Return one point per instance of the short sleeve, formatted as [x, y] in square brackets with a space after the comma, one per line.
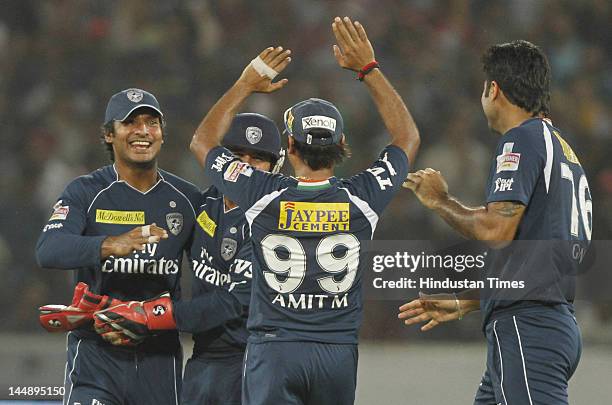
[239, 181]
[519, 162]
[378, 184]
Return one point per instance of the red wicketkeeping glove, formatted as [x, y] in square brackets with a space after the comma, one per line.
[62, 318]
[129, 323]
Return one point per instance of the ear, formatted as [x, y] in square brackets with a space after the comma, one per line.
[290, 145]
[343, 140]
[494, 90]
[108, 137]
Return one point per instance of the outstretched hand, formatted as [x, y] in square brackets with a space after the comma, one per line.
[276, 59]
[354, 50]
[435, 308]
[428, 185]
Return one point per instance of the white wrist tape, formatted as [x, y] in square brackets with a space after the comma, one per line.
[146, 231]
[263, 69]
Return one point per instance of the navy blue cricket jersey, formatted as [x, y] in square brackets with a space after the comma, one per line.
[98, 205]
[536, 167]
[306, 240]
[221, 260]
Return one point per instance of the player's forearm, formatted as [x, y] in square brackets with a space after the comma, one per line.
[217, 121]
[207, 311]
[398, 120]
[67, 252]
[471, 222]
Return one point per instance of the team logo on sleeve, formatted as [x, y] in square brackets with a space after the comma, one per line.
[235, 169]
[60, 212]
[174, 220]
[508, 161]
[314, 217]
[503, 185]
[120, 217]
[228, 248]
[253, 135]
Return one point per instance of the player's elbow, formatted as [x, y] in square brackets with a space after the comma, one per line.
[409, 143]
[498, 236]
[44, 255]
[200, 149]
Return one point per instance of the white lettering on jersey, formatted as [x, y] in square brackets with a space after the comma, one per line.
[376, 172]
[385, 159]
[53, 226]
[311, 301]
[220, 161]
[503, 185]
[508, 161]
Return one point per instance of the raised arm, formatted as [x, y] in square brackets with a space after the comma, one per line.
[256, 78]
[354, 51]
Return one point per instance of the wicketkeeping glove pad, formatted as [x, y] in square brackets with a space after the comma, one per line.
[62, 318]
[129, 323]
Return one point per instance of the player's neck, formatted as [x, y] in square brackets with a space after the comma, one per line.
[306, 173]
[512, 118]
[141, 178]
[229, 204]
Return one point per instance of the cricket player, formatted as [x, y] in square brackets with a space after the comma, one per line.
[537, 196]
[123, 228]
[221, 259]
[306, 231]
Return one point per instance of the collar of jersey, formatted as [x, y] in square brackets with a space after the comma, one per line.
[314, 185]
[118, 180]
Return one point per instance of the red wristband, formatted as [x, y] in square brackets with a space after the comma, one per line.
[367, 69]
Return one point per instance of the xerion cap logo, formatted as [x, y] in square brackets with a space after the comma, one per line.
[120, 217]
[314, 217]
[319, 121]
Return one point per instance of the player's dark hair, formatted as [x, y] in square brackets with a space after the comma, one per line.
[107, 129]
[322, 156]
[522, 72]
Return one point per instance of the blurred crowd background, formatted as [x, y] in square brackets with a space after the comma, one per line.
[60, 61]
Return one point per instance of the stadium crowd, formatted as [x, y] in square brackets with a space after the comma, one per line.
[61, 60]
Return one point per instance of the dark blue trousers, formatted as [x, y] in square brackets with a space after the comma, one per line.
[212, 381]
[100, 374]
[532, 353]
[299, 373]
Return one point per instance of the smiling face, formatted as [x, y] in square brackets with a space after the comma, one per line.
[137, 140]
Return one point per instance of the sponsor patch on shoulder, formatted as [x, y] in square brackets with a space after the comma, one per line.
[508, 161]
[207, 224]
[60, 212]
[235, 169]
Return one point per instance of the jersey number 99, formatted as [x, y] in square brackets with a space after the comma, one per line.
[292, 270]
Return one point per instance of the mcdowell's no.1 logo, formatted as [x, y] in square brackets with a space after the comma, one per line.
[314, 217]
[120, 217]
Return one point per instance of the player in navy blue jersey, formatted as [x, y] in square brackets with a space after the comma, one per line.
[123, 228]
[538, 219]
[306, 231]
[221, 259]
